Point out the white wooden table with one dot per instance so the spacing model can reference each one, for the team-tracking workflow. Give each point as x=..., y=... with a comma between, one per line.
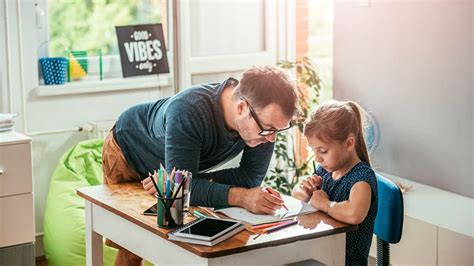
x=114, y=212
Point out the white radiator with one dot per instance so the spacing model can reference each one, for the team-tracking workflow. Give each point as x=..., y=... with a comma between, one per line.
x=100, y=129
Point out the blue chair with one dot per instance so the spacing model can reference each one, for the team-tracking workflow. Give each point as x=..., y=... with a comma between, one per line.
x=389, y=221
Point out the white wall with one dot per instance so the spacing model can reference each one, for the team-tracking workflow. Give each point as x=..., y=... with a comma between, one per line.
x=3, y=96
x=410, y=63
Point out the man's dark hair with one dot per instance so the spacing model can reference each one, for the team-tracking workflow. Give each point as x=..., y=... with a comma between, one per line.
x=261, y=86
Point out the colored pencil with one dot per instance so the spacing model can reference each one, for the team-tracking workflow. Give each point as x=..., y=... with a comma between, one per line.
x=278, y=227
x=263, y=226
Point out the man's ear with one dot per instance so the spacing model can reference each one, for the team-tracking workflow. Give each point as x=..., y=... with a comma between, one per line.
x=350, y=142
x=241, y=107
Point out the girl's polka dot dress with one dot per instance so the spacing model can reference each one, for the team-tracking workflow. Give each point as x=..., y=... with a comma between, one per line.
x=357, y=242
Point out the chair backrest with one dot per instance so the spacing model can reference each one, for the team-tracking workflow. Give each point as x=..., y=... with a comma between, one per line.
x=389, y=220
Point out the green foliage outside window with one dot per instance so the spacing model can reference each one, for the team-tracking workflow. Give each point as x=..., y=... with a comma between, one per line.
x=90, y=24
x=288, y=158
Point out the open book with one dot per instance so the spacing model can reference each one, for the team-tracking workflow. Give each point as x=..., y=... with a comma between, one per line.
x=295, y=208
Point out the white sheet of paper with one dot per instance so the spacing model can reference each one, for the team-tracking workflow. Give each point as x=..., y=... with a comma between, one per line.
x=295, y=207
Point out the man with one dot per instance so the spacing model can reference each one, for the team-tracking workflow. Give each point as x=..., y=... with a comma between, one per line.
x=201, y=128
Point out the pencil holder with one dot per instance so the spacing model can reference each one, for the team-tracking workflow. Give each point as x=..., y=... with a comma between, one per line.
x=54, y=70
x=170, y=212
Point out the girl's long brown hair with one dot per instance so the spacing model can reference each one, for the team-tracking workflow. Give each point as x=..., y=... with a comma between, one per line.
x=334, y=121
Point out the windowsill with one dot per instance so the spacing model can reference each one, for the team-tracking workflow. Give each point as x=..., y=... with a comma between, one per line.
x=116, y=84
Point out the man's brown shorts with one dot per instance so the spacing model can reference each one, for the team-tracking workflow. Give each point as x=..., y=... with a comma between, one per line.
x=115, y=169
x=114, y=165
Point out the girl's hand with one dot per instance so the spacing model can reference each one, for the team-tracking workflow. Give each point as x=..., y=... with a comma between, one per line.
x=320, y=200
x=311, y=184
x=305, y=190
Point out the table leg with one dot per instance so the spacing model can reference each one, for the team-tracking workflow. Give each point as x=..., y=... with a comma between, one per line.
x=93, y=240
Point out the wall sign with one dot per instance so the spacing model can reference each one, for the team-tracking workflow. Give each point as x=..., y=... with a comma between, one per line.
x=142, y=50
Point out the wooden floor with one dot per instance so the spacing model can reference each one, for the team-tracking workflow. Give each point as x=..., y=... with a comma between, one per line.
x=41, y=261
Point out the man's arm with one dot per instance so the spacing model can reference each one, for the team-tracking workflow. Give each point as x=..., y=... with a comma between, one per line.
x=183, y=141
x=251, y=170
x=246, y=180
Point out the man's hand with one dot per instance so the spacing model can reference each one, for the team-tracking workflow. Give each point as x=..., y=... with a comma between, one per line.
x=255, y=200
x=148, y=186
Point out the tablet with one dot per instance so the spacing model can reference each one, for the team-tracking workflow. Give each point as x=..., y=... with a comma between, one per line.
x=207, y=228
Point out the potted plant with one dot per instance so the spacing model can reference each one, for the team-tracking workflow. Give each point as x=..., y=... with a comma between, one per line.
x=291, y=156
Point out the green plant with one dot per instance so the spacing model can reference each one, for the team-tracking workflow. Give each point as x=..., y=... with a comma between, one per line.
x=288, y=151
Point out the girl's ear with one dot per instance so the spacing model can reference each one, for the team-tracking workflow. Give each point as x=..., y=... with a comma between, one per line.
x=350, y=143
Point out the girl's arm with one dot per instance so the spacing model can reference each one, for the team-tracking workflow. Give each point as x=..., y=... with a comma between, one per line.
x=352, y=211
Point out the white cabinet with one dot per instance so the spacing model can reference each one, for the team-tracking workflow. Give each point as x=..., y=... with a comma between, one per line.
x=15, y=168
x=16, y=224
x=454, y=248
x=427, y=244
x=16, y=193
x=417, y=246
x=438, y=228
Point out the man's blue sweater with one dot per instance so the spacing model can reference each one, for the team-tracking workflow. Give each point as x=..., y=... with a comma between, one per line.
x=187, y=131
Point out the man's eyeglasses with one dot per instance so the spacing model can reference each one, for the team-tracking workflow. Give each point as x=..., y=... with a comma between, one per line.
x=263, y=132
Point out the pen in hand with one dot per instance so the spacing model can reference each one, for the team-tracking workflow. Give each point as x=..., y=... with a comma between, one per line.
x=314, y=168
x=270, y=191
x=314, y=173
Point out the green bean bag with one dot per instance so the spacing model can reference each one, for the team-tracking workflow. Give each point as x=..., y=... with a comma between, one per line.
x=64, y=217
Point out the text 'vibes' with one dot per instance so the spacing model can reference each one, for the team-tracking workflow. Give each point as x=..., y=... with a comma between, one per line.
x=143, y=49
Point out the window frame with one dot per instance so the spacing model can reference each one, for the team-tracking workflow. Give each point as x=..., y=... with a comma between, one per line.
x=116, y=82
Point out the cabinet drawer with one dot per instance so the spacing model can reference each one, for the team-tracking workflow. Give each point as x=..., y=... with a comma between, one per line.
x=16, y=220
x=454, y=248
x=15, y=169
x=18, y=255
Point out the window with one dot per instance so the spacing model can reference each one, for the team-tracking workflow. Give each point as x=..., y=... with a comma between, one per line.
x=90, y=26
x=320, y=41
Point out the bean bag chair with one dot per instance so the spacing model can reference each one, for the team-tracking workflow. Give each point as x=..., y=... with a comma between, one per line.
x=64, y=217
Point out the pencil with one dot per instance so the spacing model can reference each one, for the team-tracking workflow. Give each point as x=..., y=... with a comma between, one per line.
x=157, y=190
x=314, y=167
x=171, y=177
x=210, y=212
x=156, y=186
x=262, y=226
x=273, y=221
x=278, y=227
x=175, y=194
x=270, y=191
x=198, y=214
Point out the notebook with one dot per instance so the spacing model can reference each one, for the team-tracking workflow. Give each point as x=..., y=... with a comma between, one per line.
x=206, y=231
x=295, y=208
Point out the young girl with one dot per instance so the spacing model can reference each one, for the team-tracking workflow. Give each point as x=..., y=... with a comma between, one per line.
x=344, y=185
